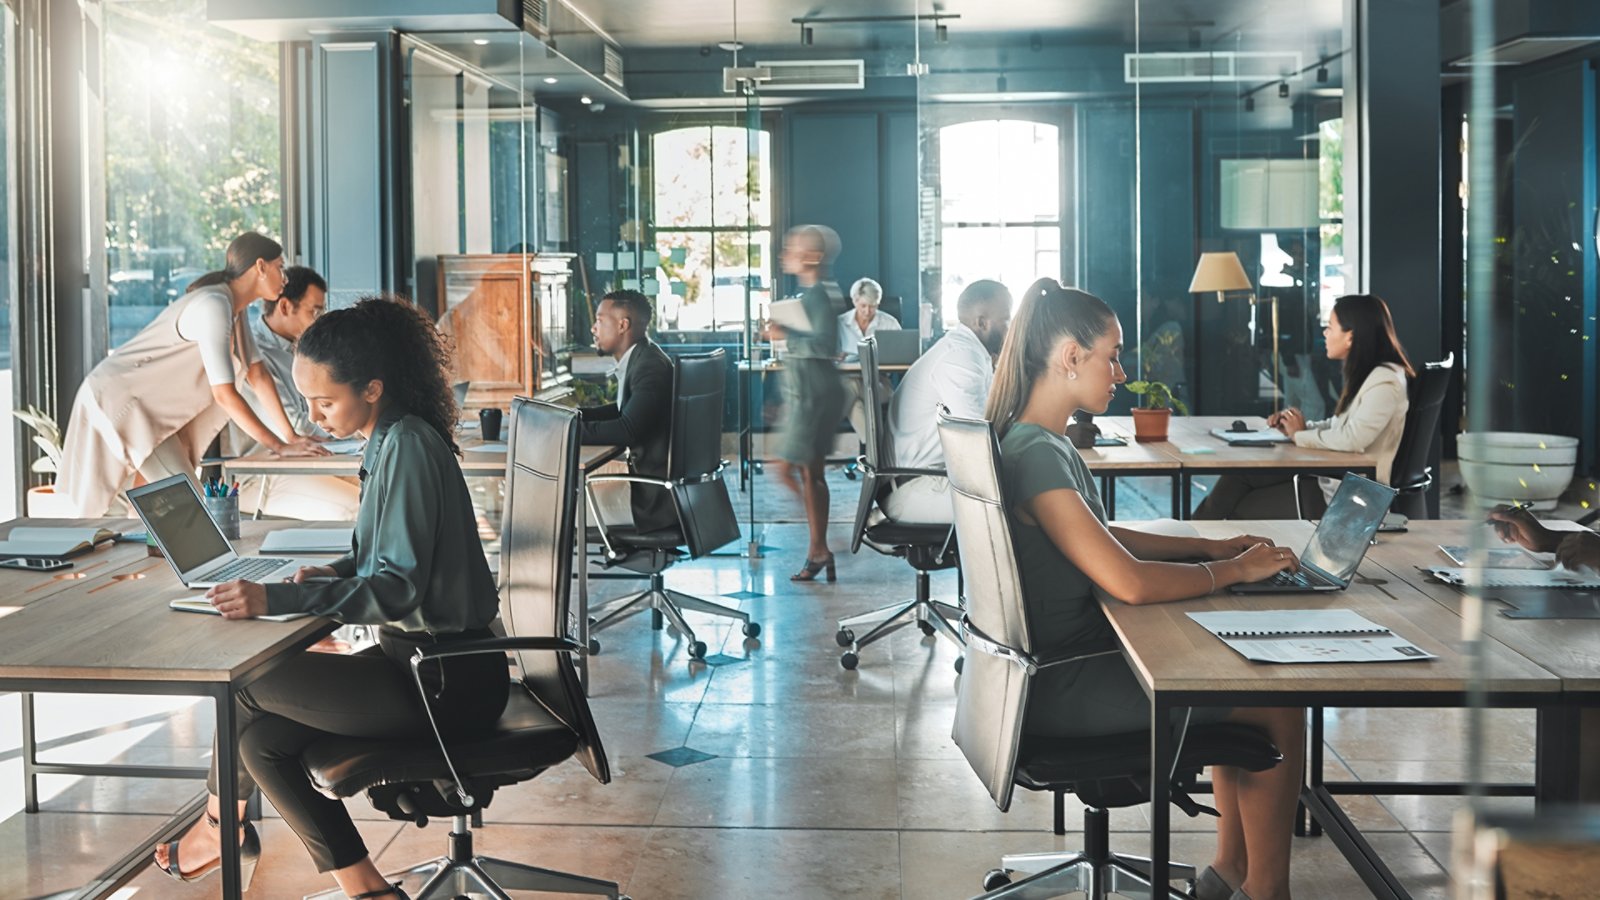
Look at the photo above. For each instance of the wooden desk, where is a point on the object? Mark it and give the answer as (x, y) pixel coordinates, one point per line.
(1181, 666)
(20, 588)
(490, 463)
(113, 634)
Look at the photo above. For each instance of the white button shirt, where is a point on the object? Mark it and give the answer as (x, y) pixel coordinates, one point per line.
(850, 333)
(620, 373)
(956, 372)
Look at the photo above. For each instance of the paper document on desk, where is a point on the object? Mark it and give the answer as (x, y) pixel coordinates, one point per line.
(791, 314)
(1355, 648)
(1307, 636)
(1565, 579)
(1270, 435)
(202, 605)
(308, 540)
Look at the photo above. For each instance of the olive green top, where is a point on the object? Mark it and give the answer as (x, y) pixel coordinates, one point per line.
(416, 562)
(1063, 616)
(822, 341)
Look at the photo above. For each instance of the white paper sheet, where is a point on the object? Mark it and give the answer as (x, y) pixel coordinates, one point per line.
(1363, 648)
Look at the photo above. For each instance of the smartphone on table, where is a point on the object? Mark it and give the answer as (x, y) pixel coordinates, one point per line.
(35, 563)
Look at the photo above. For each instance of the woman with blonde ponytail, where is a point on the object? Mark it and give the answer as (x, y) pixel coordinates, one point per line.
(1062, 355)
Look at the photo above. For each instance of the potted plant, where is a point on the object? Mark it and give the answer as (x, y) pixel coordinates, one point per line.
(1150, 421)
(42, 502)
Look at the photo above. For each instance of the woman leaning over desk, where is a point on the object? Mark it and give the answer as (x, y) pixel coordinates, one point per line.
(1370, 417)
(1061, 355)
(417, 569)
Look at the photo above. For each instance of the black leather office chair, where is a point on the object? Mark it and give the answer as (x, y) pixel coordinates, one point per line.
(992, 700)
(706, 520)
(1411, 474)
(547, 718)
(926, 548)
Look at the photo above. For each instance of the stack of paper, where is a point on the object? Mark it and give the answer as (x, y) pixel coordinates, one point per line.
(1308, 636)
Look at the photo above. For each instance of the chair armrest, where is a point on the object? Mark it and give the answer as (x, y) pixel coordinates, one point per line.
(896, 471)
(629, 479)
(605, 456)
(498, 645)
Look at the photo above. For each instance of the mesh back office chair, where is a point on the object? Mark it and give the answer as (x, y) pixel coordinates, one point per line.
(992, 702)
(706, 520)
(547, 718)
(925, 547)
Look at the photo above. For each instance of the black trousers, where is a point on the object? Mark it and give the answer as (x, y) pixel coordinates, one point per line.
(366, 695)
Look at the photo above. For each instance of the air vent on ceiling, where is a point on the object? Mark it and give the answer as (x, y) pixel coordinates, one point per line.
(1147, 68)
(612, 69)
(1525, 49)
(814, 75)
(536, 16)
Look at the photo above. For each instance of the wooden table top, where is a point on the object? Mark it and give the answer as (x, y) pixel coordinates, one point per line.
(1170, 652)
(1187, 434)
(114, 624)
(474, 462)
(1569, 648)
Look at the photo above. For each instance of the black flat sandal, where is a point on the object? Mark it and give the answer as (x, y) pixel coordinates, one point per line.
(392, 890)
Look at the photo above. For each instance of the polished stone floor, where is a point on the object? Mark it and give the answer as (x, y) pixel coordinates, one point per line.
(820, 782)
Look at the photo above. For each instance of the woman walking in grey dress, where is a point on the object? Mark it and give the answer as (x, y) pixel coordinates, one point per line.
(813, 395)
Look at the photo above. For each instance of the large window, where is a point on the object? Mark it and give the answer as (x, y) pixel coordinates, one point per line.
(713, 221)
(1000, 205)
(191, 138)
(9, 507)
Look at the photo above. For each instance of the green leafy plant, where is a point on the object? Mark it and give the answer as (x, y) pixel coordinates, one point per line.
(1157, 395)
(47, 437)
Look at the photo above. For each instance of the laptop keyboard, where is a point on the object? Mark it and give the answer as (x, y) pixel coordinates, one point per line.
(247, 568)
(1291, 579)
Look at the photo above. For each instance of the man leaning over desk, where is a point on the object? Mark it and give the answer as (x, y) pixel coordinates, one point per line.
(641, 419)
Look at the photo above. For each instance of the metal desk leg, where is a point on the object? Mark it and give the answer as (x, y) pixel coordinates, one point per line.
(1556, 763)
(1186, 498)
(1305, 824)
(30, 754)
(1163, 753)
(228, 789)
(1178, 512)
(1108, 494)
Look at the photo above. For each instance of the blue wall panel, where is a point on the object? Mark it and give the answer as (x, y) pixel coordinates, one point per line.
(833, 180)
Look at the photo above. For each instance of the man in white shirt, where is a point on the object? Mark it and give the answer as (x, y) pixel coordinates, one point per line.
(955, 372)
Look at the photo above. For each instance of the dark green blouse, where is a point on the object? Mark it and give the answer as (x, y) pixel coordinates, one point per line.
(416, 562)
(1063, 616)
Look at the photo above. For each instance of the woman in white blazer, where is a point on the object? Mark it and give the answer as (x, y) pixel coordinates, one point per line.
(1370, 416)
(155, 404)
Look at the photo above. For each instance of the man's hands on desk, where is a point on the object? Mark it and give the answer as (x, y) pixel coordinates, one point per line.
(1573, 549)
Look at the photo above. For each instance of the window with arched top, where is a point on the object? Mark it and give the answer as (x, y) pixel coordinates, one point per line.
(999, 205)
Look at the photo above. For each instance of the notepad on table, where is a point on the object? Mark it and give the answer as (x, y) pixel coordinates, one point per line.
(52, 542)
(1308, 636)
(1268, 435)
(308, 540)
(1565, 579)
(202, 605)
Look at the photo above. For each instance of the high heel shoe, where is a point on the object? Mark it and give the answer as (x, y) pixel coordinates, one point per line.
(809, 571)
(392, 890)
(249, 855)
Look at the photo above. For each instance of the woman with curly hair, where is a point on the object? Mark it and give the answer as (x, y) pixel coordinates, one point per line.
(416, 569)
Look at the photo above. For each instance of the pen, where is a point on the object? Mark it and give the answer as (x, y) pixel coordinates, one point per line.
(235, 491)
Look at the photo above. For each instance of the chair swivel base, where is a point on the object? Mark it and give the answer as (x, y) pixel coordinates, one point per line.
(931, 616)
(1095, 871)
(668, 604)
(462, 874)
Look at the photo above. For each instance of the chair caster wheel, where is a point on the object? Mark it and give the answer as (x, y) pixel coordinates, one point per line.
(849, 475)
(960, 661)
(849, 660)
(995, 879)
(925, 627)
(845, 637)
(752, 629)
(594, 647)
(697, 649)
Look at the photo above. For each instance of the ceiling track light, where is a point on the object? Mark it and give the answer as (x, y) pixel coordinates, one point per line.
(1283, 89)
(806, 35)
(1322, 74)
(1249, 104)
(1000, 84)
(941, 33)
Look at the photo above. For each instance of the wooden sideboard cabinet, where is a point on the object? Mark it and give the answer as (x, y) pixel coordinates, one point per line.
(506, 314)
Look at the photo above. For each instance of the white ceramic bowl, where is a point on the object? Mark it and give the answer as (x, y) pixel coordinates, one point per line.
(1495, 483)
(1512, 447)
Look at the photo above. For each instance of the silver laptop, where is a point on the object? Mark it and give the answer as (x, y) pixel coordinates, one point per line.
(192, 542)
(460, 389)
(898, 347)
(1339, 544)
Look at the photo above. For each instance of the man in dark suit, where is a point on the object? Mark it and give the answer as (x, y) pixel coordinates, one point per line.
(641, 419)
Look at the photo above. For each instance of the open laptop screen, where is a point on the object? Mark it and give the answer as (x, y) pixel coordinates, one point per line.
(1347, 527)
(187, 534)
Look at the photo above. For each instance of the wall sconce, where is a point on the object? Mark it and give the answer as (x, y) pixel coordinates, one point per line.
(1322, 74)
(1283, 89)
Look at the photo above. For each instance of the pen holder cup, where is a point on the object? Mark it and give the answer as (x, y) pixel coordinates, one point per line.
(225, 512)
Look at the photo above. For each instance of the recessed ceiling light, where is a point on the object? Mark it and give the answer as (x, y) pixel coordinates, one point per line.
(551, 79)
(585, 100)
(731, 46)
(481, 42)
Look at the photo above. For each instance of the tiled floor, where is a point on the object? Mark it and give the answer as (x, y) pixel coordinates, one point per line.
(823, 782)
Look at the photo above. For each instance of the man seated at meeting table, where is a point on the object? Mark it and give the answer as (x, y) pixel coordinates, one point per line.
(641, 417)
(955, 373)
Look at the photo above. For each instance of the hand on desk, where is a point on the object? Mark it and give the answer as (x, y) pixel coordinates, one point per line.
(239, 599)
(302, 446)
(1288, 421)
(1228, 548)
(1573, 549)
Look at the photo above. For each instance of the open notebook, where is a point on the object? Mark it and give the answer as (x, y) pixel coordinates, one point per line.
(52, 542)
(202, 605)
(1308, 636)
(1565, 579)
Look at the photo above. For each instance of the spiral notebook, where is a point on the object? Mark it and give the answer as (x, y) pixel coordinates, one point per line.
(1308, 636)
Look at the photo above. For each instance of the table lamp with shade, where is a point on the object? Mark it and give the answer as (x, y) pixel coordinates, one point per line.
(1222, 272)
